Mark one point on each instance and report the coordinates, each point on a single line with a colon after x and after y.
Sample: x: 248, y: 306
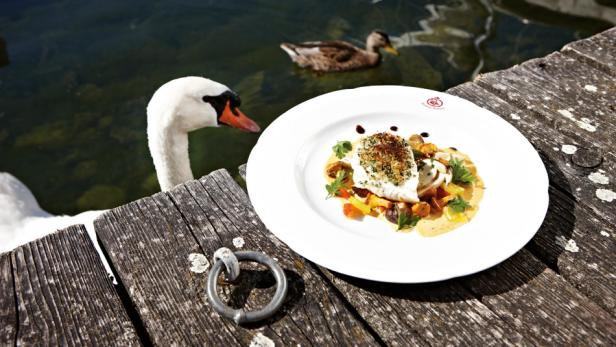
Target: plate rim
x: 543, y: 196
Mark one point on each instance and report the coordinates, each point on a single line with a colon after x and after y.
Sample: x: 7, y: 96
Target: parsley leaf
x: 460, y: 173
x: 342, y: 148
x: 417, y: 153
x: 333, y: 189
x: 406, y: 220
x: 458, y: 204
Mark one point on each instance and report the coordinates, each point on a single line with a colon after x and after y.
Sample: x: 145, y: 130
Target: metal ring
x: 232, y: 265
x: 240, y: 316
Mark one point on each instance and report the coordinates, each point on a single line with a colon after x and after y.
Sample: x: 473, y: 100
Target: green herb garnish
x: 342, y: 148
x: 406, y: 220
x: 417, y: 153
x: 458, y: 204
x: 333, y: 189
x: 460, y: 173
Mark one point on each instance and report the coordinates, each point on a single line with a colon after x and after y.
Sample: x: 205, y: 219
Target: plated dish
x: 408, y: 182
x: 287, y: 175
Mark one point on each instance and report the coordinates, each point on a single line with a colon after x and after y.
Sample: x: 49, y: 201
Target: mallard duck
x: 331, y: 56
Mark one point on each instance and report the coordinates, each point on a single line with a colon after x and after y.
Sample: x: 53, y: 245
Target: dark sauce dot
x: 455, y: 149
x: 360, y: 129
x: 424, y: 134
x: 393, y: 128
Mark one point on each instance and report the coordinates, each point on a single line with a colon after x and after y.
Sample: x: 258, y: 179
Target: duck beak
x: 390, y: 49
x: 236, y: 119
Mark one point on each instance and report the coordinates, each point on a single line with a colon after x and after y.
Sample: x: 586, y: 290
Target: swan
x: 176, y: 108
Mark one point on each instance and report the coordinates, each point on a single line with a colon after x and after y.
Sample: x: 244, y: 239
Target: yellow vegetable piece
x: 375, y: 201
x: 365, y: 209
x: 453, y: 189
x: 454, y: 216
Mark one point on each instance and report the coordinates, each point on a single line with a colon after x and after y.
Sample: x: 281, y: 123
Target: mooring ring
x: 240, y: 316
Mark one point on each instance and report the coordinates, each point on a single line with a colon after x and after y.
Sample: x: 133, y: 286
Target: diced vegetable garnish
x: 428, y: 148
x: 343, y: 193
x: 333, y: 168
x: 361, y: 192
x: 437, y: 204
x: 375, y: 201
x: 351, y: 211
x: 365, y: 209
x: 441, y: 192
x: 421, y: 209
x: 454, y: 216
x: 415, y: 140
x: 453, y: 189
x: 428, y: 193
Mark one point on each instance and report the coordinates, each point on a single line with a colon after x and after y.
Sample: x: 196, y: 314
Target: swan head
x: 191, y: 103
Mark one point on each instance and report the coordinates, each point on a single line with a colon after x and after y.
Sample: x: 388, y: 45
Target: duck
x: 336, y: 56
x: 175, y: 109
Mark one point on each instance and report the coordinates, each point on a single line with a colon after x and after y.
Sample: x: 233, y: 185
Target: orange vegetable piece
x: 351, y: 211
x: 437, y: 204
x: 343, y: 193
x: 429, y: 194
x: 428, y: 148
x: 421, y: 209
x: 441, y: 193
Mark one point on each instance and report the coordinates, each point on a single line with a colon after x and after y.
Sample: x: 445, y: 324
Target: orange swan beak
x: 236, y: 119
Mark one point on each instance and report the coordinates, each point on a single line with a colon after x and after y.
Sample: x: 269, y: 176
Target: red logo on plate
x: 434, y: 102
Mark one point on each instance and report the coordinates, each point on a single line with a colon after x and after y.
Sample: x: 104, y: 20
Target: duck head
x: 378, y: 39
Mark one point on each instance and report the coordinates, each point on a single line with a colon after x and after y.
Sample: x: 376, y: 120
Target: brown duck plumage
x: 331, y: 56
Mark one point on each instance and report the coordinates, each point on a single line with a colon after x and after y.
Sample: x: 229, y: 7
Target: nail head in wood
x: 587, y: 157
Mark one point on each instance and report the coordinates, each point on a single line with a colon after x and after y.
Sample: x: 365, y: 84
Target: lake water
x: 75, y: 76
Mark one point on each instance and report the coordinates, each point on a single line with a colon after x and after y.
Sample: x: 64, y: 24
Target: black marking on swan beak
x: 219, y: 102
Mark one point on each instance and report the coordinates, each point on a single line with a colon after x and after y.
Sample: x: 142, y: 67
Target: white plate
x: 287, y: 187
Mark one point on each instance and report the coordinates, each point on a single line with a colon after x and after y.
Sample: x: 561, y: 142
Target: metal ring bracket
x: 240, y: 316
x: 232, y: 265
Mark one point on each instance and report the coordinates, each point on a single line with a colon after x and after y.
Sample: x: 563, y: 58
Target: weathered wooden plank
x: 575, y: 212
x: 443, y: 313
x: 8, y: 311
x: 542, y: 304
x: 535, y: 302
x: 57, y: 292
x: 576, y: 97
x: 598, y: 50
x: 150, y: 242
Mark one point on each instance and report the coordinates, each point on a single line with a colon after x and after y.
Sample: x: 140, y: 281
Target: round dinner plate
x: 286, y: 184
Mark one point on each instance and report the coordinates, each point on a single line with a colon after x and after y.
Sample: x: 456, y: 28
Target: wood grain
x: 575, y: 213
x: 598, y: 51
x: 57, y: 292
x: 8, y: 309
x: 150, y: 240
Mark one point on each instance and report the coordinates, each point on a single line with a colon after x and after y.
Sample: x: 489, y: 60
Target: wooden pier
x: 560, y: 289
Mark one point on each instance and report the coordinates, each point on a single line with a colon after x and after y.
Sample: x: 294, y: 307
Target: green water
x: 79, y: 74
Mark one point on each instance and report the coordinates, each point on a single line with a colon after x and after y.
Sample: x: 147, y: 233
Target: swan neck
x: 169, y: 150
